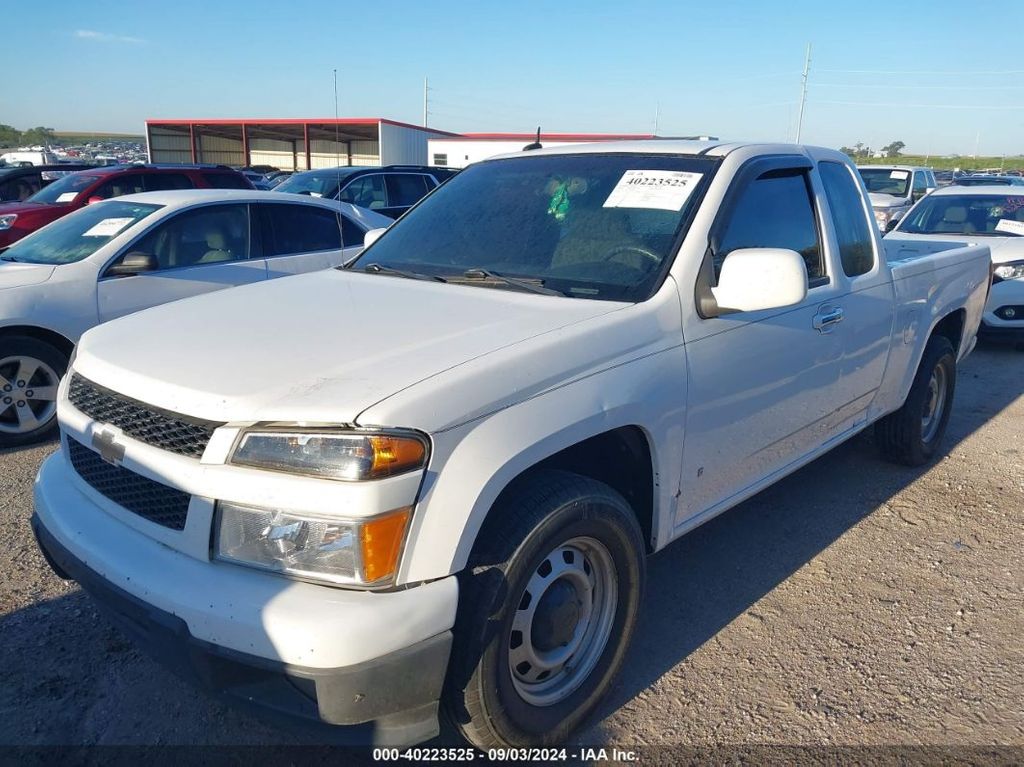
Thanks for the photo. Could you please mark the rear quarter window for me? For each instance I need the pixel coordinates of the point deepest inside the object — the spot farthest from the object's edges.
(849, 218)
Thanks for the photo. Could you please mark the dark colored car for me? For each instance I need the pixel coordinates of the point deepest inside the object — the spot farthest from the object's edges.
(390, 190)
(988, 181)
(19, 183)
(76, 190)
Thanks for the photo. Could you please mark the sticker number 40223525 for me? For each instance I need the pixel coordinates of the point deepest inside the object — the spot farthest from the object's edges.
(653, 189)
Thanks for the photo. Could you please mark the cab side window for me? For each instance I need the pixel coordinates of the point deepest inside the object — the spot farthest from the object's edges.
(853, 232)
(160, 182)
(366, 192)
(406, 189)
(775, 211)
(207, 235)
(920, 188)
(291, 229)
(120, 185)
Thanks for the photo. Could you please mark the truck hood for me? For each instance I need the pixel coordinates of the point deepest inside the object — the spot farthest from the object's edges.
(15, 275)
(880, 201)
(320, 347)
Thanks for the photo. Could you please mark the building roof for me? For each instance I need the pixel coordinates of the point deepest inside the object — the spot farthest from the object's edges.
(258, 121)
(547, 137)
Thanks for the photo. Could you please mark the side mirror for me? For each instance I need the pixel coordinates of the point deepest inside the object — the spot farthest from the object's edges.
(753, 279)
(372, 236)
(132, 264)
(93, 199)
(891, 224)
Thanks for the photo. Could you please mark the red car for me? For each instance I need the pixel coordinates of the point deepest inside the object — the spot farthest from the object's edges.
(77, 190)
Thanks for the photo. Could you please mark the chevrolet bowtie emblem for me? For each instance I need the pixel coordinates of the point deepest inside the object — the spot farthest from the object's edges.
(110, 450)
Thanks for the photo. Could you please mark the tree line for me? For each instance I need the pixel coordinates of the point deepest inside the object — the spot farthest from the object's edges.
(863, 150)
(12, 137)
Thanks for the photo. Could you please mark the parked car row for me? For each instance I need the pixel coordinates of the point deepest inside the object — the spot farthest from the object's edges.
(429, 478)
(920, 218)
(118, 256)
(35, 200)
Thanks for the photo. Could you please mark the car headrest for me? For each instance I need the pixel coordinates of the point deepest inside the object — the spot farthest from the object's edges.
(215, 240)
(955, 214)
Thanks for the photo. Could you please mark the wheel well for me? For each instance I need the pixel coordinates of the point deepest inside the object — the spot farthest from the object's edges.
(952, 327)
(621, 458)
(40, 334)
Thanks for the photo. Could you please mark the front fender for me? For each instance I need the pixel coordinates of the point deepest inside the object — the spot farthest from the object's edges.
(471, 464)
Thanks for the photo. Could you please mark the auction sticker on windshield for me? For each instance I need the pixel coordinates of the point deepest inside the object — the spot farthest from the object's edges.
(67, 196)
(108, 227)
(655, 189)
(900, 174)
(1010, 227)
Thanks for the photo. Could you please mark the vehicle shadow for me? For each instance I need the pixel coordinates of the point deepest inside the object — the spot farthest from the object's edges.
(701, 583)
(47, 444)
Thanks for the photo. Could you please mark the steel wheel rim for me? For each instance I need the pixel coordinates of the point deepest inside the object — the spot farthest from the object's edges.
(28, 394)
(580, 573)
(934, 404)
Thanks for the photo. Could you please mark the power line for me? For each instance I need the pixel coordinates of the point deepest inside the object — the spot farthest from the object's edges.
(923, 72)
(895, 105)
(919, 87)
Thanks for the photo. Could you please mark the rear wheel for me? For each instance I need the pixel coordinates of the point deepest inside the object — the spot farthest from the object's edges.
(30, 371)
(546, 611)
(913, 433)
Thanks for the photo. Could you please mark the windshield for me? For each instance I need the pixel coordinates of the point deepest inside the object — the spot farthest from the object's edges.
(64, 190)
(886, 181)
(584, 225)
(79, 234)
(320, 183)
(982, 215)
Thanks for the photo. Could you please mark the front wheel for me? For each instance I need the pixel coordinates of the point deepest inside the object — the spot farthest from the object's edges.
(547, 608)
(913, 433)
(30, 371)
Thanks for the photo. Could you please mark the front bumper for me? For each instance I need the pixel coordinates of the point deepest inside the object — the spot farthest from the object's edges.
(304, 650)
(1003, 294)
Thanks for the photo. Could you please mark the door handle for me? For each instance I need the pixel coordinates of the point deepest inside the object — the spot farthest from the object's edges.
(825, 320)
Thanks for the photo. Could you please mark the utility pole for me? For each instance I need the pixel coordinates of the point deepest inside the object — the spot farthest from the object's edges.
(337, 127)
(803, 94)
(657, 117)
(977, 142)
(426, 102)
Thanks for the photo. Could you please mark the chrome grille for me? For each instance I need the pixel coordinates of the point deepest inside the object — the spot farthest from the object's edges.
(140, 495)
(168, 431)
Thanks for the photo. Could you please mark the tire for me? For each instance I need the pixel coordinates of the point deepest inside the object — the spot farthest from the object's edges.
(30, 370)
(540, 537)
(909, 436)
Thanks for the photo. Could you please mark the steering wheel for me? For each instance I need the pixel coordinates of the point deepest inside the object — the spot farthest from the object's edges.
(644, 253)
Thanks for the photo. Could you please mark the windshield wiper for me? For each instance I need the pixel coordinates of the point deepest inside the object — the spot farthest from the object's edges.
(11, 259)
(478, 273)
(380, 269)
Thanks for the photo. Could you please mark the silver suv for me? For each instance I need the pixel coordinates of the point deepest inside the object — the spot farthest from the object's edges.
(894, 189)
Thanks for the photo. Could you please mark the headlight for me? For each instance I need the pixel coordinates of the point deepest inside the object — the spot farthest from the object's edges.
(353, 552)
(346, 455)
(6, 222)
(1012, 271)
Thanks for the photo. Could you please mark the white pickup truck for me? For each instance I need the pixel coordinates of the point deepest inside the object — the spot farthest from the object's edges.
(429, 481)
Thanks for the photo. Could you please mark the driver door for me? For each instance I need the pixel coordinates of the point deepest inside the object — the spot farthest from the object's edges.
(761, 384)
(198, 251)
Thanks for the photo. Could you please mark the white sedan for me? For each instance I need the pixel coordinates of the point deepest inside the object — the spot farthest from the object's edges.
(119, 256)
(990, 215)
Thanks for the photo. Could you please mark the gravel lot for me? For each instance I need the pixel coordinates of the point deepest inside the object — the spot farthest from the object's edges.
(853, 603)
